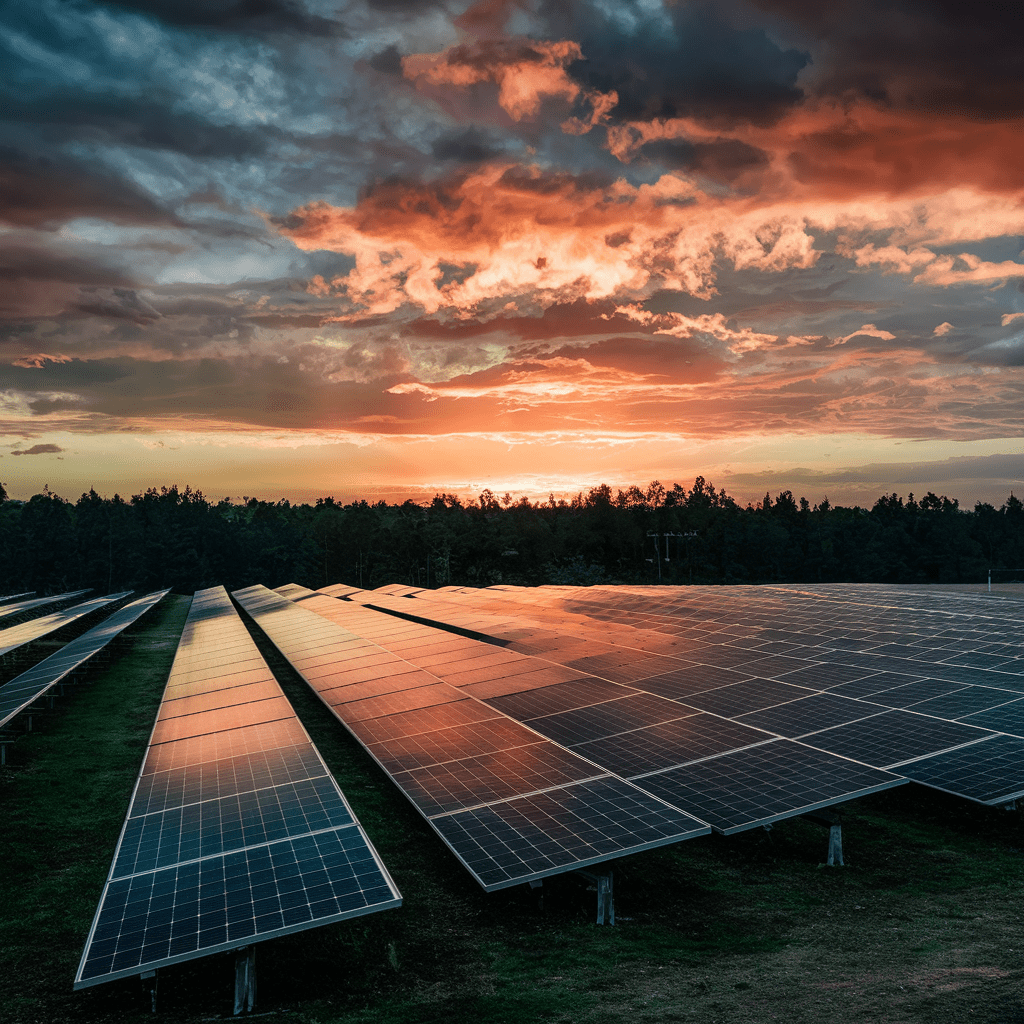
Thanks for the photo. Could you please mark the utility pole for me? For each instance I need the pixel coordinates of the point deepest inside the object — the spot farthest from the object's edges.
(657, 546)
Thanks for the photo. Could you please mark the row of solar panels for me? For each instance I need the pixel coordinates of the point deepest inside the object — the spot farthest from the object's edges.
(26, 689)
(928, 685)
(536, 731)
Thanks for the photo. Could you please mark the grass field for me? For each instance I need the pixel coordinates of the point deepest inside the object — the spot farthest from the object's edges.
(925, 924)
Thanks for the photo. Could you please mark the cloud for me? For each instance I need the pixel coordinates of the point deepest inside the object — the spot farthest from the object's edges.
(39, 449)
(942, 57)
(678, 60)
(521, 233)
(943, 328)
(526, 72)
(714, 325)
(943, 271)
(869, 331)
(243, 16)
(40, 192)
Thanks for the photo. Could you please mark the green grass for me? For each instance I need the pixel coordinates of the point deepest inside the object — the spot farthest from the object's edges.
(697, 921)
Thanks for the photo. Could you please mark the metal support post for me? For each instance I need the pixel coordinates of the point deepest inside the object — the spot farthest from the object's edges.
(149, 980)
(537, 885)
(605, 895)
(245, 979)
(834, 823)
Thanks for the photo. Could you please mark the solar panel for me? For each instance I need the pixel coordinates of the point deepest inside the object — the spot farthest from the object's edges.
(237, 832)
(949, 657)
(759, 785)
(964, 701)
(566, 710)
(24, 690)
(1008, 718)
(17, 636)
(990, 772)
(11, 611)
(810, 714)
(668, 744)
(492, 790)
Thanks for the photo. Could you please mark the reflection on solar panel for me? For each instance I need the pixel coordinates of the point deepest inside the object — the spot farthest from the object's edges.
(22, 691)
(11, 611)
(954, 662)
(597, 718)
(237, 832)
(14, 597)
(627, 732)
(511, 804)
(25, 632)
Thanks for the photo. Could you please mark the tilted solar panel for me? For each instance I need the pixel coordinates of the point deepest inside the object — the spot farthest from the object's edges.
(9, 611)
(22, 691)
(26, 632)
(511, 804)
(953, 660)
(236, 832)
(604, 721)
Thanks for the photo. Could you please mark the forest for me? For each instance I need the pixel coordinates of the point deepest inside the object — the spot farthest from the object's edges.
(180, 538)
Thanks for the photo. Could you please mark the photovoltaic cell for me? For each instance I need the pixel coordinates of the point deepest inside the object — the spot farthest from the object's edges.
(740, 698)
(1007, 718)
(550, 700)
(10, 611)
(884, 741)
(608, 718)
(236, 832)
(965, 701)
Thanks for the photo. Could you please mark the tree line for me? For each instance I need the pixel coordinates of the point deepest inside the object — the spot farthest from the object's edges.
(169, 537)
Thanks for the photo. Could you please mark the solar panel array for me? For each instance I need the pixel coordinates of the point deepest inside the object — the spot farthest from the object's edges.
(598, 705)
(17, 636)
(512, 804)
(24, 690)
(20, 608)
(236, 832)
(927, 685)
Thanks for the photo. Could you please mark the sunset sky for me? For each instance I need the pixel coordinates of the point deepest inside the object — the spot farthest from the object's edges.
(384, 248)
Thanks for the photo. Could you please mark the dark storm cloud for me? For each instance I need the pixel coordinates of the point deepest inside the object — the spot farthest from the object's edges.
(241, 16)
(685, 61)
(150, 122)
(388, 61)
(944, 55)
(23, 256)
(722, 160)
(469, 146)
(42, 192)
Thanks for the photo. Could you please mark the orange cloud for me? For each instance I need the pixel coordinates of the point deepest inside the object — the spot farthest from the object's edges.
(526, 71)
(839, 150)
